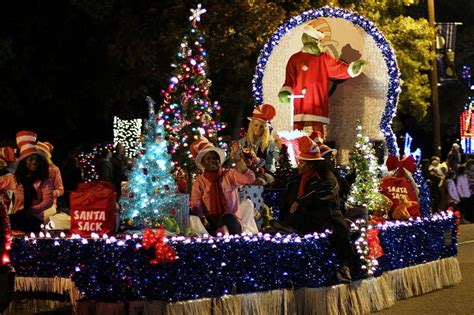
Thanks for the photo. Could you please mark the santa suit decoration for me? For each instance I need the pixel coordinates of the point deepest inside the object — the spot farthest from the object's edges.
(309, 75)
(398, 187)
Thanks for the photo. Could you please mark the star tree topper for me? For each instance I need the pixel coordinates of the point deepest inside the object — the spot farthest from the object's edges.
(196, 14)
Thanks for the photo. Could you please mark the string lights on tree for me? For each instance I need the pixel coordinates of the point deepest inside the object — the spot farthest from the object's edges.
(151, 188)
(187, 111)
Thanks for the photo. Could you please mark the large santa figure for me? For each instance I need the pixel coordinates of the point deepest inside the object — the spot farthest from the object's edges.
(308, 73)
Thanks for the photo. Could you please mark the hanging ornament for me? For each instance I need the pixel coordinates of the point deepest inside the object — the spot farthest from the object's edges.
(153, 178)
(167, 187)
(142, 151)
(131, 195)
(145, 171)
(158, 190)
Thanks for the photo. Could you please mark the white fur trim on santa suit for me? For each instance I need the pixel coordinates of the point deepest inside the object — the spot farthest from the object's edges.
(307, 117)
(313, 33)
(351, 72)
(286, 89)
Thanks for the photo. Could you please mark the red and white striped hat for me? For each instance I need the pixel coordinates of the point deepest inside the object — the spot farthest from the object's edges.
(45, 147)
(317, 137)
(309, 150)
(264, 112)
(26, 142)
(200, 147)
(7, 154)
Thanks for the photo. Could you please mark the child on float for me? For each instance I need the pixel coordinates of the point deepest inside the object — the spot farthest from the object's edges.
(30, 184)
(312, 203)
(214, 198)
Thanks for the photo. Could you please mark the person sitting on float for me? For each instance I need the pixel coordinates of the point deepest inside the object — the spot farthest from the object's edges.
(30, 184)
(214, 195)
(258, 145)
(311, 203)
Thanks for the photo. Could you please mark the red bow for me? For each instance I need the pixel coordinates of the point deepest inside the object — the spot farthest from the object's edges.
(407, 163)
(375, 250)
(163, 252)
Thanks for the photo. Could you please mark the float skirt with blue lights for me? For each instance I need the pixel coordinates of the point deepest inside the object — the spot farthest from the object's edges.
(266, 274)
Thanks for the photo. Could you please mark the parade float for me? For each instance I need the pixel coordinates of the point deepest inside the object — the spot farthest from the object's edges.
(148, 271)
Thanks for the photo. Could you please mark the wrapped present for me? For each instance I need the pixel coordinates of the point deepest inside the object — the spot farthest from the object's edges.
(252, 192)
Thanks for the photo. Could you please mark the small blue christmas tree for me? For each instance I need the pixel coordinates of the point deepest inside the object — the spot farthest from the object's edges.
(152, 189)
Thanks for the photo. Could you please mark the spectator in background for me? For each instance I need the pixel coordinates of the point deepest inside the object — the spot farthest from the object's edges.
(103, 165)
(454, 158)
(449, 192)
(462, 185)
(30, 184)
(119, 167)
(71, 175)
(435, 176)
(54, 174)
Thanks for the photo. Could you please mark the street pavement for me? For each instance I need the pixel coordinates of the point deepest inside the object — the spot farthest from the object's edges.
(454, 300)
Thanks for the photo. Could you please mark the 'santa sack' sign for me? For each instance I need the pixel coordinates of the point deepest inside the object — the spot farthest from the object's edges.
(93, 209)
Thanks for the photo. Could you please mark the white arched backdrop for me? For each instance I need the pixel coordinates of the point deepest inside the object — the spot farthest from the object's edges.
(370, 97)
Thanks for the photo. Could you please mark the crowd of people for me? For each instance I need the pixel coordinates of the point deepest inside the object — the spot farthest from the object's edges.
(451, 183)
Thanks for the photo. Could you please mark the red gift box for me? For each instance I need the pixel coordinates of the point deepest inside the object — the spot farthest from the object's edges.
(93, 209)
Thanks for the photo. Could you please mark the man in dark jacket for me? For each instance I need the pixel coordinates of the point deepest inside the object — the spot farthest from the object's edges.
(311, 204)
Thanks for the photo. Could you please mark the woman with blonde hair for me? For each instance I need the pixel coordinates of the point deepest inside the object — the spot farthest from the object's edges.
(258, 145)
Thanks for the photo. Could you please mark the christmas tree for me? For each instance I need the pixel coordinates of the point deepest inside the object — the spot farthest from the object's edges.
(187, 111)
(152, 189)
(365, 190)
(284, 171)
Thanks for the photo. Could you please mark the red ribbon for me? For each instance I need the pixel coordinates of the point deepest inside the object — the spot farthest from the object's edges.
(375, 250)
(407, 163)
(163, 252)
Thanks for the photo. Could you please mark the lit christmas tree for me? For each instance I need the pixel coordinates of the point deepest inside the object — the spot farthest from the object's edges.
(152, 189)
(365, 190)
(187, 110)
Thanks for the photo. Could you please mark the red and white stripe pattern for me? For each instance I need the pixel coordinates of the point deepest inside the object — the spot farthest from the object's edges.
(309, 150)
(26, 142)
(45, 147)
(7, 154)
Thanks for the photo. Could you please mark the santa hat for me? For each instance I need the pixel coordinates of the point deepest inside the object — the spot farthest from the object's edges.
(45, 147)
(320, 29)
(309, 150)
(264, 112)
(316, 28)
(7, 154)
(26, 142)
(200, 147)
